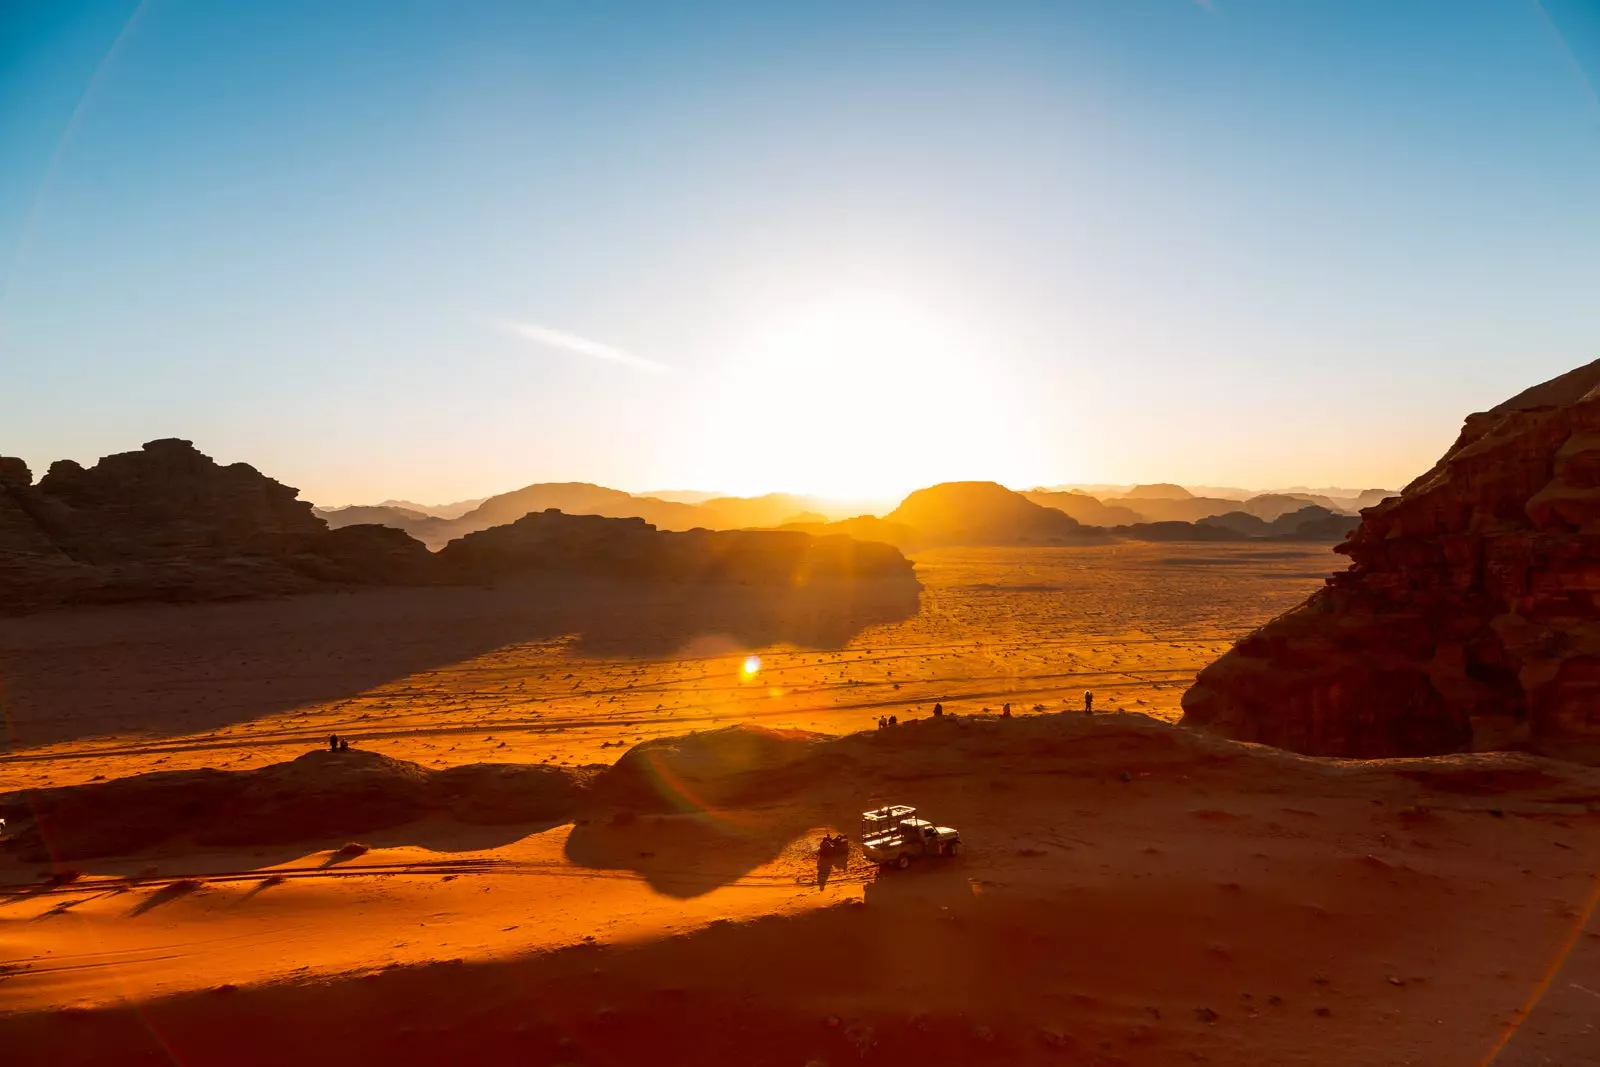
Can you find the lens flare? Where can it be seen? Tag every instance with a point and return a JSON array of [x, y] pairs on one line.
[[752, 666]]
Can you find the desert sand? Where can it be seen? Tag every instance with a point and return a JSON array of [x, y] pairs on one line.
[[1132, 892]]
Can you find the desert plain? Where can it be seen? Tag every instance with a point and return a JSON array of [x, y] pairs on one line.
[[1131, 892]]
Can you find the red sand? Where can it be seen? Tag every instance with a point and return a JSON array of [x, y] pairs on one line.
[[1224, 904]]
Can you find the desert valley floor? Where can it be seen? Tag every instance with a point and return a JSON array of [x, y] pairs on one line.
[[1132, 893]]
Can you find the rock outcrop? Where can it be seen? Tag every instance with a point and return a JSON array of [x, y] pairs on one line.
[[632, 549], [20, 532], [169, 523], [1470, 614]]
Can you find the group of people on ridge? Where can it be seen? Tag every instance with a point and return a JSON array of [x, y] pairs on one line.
[[885, 721]]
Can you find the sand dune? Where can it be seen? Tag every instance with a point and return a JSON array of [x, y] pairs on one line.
[[1133, 893]]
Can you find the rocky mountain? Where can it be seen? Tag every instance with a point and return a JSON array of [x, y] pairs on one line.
[[986, 513], [1270, 506], [1085, 508], [1469, 617], [1157, 512], [1157, 491], [1239, 522], [1308, 523], [963, 514], [1317, 524], [1183, 509]]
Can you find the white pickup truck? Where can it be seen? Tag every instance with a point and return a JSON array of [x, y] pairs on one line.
[[894, 835]]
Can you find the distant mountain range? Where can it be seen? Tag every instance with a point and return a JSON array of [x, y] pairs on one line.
[[166, 522], [1153, 498], [438, 511], [580, 498], [954, 513], [984, 513]]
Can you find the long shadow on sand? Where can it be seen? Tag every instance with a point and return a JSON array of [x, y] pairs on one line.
[[924, 972], [318, 856], [170, 669], [684, 856]]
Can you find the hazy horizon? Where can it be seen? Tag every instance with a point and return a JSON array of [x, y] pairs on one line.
[[695, 496], [444, 251]]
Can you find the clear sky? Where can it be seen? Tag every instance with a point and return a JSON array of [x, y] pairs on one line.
[[437, 250]]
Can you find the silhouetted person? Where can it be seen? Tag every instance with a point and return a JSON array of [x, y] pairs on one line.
[[344, 744], [333, 742], [938, 710], [1088, 702], [1005, 711], [894, 720]]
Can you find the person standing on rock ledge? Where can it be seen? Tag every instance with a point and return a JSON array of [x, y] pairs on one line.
[[333, 742], [1088, 702]]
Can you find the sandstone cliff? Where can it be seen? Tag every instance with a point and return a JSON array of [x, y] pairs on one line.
[[1470, 614]]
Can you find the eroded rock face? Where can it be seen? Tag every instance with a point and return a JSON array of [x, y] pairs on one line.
[[169, 523], [171, 499], [1470, 614], [20, 533]]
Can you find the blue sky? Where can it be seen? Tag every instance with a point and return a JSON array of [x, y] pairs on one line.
[[437, 250]]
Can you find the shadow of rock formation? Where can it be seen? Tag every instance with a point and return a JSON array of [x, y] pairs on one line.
[[321, 795], [165, 669], [682, 855]]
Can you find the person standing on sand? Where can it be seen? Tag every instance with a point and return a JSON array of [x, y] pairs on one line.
[[1088, 702]]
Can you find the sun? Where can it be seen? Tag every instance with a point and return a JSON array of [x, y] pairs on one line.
[[751, 666], [858, 394]]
